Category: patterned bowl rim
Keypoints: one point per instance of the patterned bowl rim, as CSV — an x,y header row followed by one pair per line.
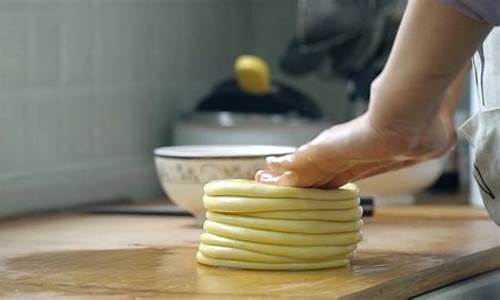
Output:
x,y
210,151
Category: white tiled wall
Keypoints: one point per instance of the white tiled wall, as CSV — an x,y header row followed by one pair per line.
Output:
x,y
89,87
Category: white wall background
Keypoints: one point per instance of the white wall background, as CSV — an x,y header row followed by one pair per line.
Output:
x,y
89,87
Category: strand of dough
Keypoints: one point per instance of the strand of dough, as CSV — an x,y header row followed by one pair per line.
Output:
x,y
333,263
282,238
246,204
312,253
249,188
246,255
293,226
313,215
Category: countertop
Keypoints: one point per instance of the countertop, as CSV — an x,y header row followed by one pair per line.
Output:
x,y
407,250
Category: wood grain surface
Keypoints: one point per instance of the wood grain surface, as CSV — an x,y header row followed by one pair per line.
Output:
x,y
405,252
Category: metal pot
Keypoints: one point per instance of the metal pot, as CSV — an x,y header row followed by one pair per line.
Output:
x,y
251,109
226,128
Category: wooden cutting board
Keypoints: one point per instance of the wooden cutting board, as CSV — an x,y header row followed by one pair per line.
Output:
x,y
406,251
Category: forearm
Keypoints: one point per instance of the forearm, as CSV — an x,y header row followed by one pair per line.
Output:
x,y
433,45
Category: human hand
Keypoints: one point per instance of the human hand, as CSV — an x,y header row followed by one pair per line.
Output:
x,y
366,147
349,152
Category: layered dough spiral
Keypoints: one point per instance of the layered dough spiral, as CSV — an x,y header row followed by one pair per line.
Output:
x,y
256,226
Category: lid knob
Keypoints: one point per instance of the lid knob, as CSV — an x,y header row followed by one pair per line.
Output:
x,y
253,76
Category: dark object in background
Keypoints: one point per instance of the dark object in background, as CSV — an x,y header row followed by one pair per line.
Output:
x,y
281,99
352,35
253,92
353,38
368,206
449,181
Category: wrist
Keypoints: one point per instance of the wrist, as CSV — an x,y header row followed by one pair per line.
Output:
x,y
403,105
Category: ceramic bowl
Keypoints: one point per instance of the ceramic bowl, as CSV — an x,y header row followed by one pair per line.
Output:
x,y
406,181
184,170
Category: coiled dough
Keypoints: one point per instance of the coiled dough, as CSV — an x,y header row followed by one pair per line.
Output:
x,y
293,226
342,215
312,253
256,226
331,263
247,255
247,204
282,238
250,188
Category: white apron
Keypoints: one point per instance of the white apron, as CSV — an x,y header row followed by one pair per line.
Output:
x,y
482,130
